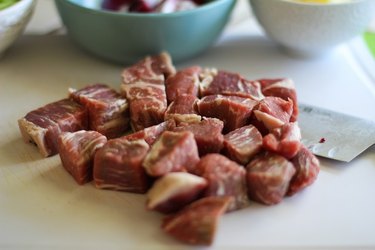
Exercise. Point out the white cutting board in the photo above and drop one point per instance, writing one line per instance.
(41, 207)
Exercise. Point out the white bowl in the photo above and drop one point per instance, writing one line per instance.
(307, 30)
(13, 21)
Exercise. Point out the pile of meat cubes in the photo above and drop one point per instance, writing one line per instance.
(202, 142)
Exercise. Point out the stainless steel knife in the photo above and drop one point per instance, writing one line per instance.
(335, 135)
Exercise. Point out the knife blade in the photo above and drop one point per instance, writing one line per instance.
(335, 135)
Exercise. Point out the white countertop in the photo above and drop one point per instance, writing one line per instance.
(41, 207)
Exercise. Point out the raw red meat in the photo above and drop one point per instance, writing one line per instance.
(307, 170)
(43, 126)
(152, 69)
(77, 152)
(173, 191)
(108, 111)
(118, 166)
(196, 224)
(283, 88)
(234, 111)
(183, 109)
(270, 113)
(225, 178)
(147, 104)
(285, 140)
(151, 134)
(268, 176)
(226, 83)
(172, 152)
(185, 81)
(242, 144)
(207, 134)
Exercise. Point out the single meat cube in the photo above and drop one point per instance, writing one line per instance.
(242, 144)
(268, 177)
(307, 170)
(108, 111)
(271, 112)
(207, 134)
(172, 152)
(183, 109)
(196, 224)
(77, 150)
(43, 126)
(225, 178)
(147, 103)
(283, 88)
(173, 191)
(185, 81)
(118, 166)
(285, 140)
(227, 83)
(152, 69)
(234, 111)
(151, 134)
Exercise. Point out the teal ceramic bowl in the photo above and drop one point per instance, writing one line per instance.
(127, 37)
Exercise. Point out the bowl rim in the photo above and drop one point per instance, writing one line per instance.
(205, 7)
(15, 6)
(350, 2)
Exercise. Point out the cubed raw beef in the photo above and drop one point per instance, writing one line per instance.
(108, 111)
(172, 152)
(147, 103)
(283, 88)
(207, 134)
(285, 140)
(242, 144)
(271, 112)
(197, 223)
(183, 109)
(77, 150)
(118, 166)
(152, 69)
(234, 111)
(227, 83)
(151, 134)
(307, 170)
(185, 81)
(43, 126)
(268, 176)
(225, 178)
(173, 191)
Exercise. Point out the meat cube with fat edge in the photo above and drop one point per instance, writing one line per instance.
(214, 82)
(43, 126)
(197, 223)
(270, 113)
(77, 150)
(283, 88)
(183, 109)
(172, 152)
(268, 176)
(107, 109)
(143, 85)
(147, 103)
(184, 82)
(307, 170)
(234, 111)
(207, 134)
(173, 191)
(118, 166)
(285, 140)
(152, 69)
(151, 134)
(225, 178)
(242, 144)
